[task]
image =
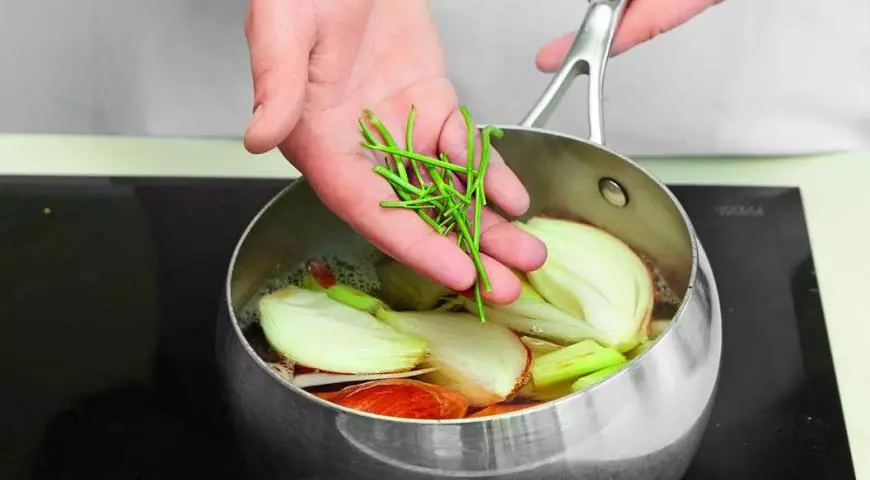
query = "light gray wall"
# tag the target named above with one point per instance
(749, 76)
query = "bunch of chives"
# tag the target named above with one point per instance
(428, 185)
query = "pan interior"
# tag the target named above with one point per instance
(563, 175)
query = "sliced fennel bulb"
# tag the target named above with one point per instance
(314, 330)
(486, 362)
(307, 380)
(594, 276)
(530, 314)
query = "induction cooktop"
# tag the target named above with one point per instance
(109, 291)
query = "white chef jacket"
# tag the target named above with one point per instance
(746, 77)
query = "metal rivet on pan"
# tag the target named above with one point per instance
(613, 192)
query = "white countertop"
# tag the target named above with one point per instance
(833, 189)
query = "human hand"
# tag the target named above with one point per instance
(316, 66)
(642, 21)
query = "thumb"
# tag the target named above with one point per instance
(643, 20)
(280, 35)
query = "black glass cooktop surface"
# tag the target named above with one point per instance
(109, 291)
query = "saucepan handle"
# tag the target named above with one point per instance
(588, 55)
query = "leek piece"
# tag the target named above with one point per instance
(587, 381)
(656, 327)
(572, 362)
(539, 347)
(309, 283)
(639, 349)
(356, 299)
(404, 289)
(551, 392)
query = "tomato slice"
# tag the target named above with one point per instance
(403, 398)
(500, 408)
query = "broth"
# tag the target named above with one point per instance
(362, 273)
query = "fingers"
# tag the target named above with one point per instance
(509, 244)
(280, 35)
(440, 127)
(502, 186)
(503, 241)
(503, 244)
(646, 19)
(343, 179)
(430, 114)
(505, 286)
(551, 56)
(348, 187)
(643, 21)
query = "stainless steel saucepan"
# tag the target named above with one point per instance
(645, 422)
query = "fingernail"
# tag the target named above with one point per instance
(258, 112)
(252, 144)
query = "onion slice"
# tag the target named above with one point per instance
(486, 362)
(308, 380)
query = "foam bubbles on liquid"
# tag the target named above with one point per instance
(355, 270)
(665, 295)
(664, 292)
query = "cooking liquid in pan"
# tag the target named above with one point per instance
(360, 272)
